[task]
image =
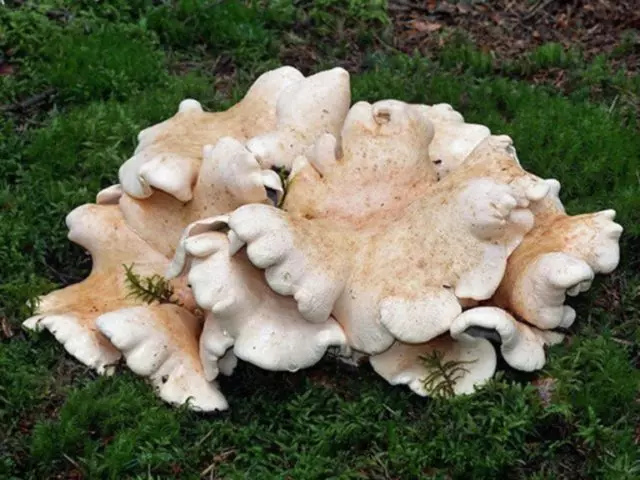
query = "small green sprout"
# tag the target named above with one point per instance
(441, 380)
(151, 289)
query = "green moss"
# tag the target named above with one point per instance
(546, 56)
(335, 17)
(596, 377)
(231, 28)
(108, 425)
(108, 62)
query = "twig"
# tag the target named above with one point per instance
(5, 327)
(613, 104)
(29, 102)
(64, 278)
(538, 6)
(621, 341)
(509, 6)
(390, 410)
(72, 461)
(387, 45)
(407, 5)
(222, 456)
(201, 441)
(385, 470)
(534, 7)
(209, 469)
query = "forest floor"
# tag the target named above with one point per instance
(80, 79)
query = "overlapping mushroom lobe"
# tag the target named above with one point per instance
(71, 313)
(262, 327)
(169, 154)
(228, 177)
(375, 212)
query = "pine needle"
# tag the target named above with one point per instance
(443, 375)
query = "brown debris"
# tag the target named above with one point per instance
(5, 328)
(32, 101)
(511, 29)
(545, 388)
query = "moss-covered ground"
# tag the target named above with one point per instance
(79, 79)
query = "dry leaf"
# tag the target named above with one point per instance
(5, 327)
(497, 18)
(463, 8)
(428, 27)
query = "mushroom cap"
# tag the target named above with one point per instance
(173, 148)
(348, 268)
(402, 364)
(383, 151)
(522, 346)
(560, 257)
(263, 328)
(161, 342)
(70, 313)
(228, 177)
(306, 110)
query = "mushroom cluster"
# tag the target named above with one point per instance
(403, 233)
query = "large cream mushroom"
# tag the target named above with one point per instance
(405, 232)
